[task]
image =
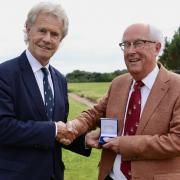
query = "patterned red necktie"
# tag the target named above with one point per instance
(132, 122)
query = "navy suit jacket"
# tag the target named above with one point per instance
(28, 149)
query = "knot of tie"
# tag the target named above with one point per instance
(138, 85)
(45, 71)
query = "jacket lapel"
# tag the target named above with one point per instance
(158, 91)
(57, 116)
(31, 85)
(122, 99)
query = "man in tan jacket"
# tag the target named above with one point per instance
(154, 150)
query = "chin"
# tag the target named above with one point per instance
(45, 55)
(135, 73)
(134, 70)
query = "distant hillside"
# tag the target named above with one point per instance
(83, 76)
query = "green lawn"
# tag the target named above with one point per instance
(75, 108)
(93, 91)
(79, 167)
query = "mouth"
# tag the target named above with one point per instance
(46, 48)
(134, 60)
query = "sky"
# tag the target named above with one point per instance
(95, 30)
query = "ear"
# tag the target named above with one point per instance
(28, 28)
(157, 48)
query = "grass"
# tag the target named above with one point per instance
(75, 108)
(93, 91)
(79, 167)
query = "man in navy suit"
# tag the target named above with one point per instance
(29, 149)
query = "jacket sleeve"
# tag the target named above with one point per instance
(78, 146)
(90, 119)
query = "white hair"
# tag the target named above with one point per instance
(50, 8)
(156, 35)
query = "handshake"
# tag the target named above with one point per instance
(67, 133)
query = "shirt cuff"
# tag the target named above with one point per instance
(55, 129)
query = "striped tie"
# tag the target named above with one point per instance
(48, 96)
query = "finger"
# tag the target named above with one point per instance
(72, 128)
(65, 133)
(65, 141)
(95, 145)
(71, 134)
(107, 145)
(62, 124)
(98, 146)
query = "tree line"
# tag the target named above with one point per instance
(170, 58)
(83, 76)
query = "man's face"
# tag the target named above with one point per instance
(140, 60)
(44, 37)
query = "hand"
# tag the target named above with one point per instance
(65, 133)
(112, 144)
(92, 138)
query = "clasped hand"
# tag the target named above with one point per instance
(66, 133)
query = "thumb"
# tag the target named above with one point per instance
(107, 139)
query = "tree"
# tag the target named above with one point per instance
(171, 53)
(83, 76)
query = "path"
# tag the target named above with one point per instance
(82, 100)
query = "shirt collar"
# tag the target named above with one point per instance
(150, 78)
(34, 63)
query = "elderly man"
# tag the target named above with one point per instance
(146, 102)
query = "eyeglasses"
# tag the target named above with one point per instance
(138, 44)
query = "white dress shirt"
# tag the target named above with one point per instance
(148, 81)
(36, 68)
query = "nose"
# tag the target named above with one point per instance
(131, 49)
(47, 37)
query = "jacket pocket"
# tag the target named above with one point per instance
(169, 176)
(12, 165)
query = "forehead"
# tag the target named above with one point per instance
(135, 32)
(47, 20)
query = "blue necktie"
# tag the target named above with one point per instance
(48, 96)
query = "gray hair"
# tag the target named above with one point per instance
(156, 35)
(50, 8)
